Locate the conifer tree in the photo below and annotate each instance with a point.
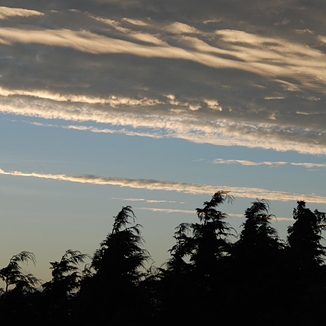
(14, 275)
(194, 280)
(259, 242)
(20, 287)
(65, 274)
(304, 237)
(111, 285)
(203, 243)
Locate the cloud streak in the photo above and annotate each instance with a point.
(6, 12)
(146, 200)
(191, 188)
(271, 164)
(167, 210)
(264, 56)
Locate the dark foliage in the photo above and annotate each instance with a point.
(209, 279)
(304, 237)
(110, 290)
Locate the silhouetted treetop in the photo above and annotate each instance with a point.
(204, 243)
(13, 274)
(257, 230)
(304, 236)
(121, 253)
(65, 273)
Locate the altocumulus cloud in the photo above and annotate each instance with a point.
(252, 75)
(192, 188)
(192, 128)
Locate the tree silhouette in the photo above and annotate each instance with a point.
(305, 255)
(257, 279)
(13, 274)
(257, 256)
(65, 274)
(204, 243)
(117, 265)
(259, 242)
(59, 292)
(120, 254)
(20, 287)
(304, 237)
(194, 272)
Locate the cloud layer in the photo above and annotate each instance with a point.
(250, 76)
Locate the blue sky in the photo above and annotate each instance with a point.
(157, 105)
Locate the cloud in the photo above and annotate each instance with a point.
(191, 188)
(146, 200)
(130, 199)
(6, 12)
(246, 162)
(112, 101)
(274, 98)
(236, 86)
(191, 127)
(180, 28)
(310, 165)
(272, 164)
(167, 210)
(265, 56)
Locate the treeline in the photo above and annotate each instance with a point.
(212, 276)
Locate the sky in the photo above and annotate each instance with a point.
(156, 105)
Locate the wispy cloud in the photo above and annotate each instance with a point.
(146, 200)
(269, 56)
(271, 164)
(167, 210)
(191, 188)
(6, 12)
(247, 162)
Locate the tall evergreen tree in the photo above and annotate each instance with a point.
(304, 237)
(257, 267)
(195, 279)
(120, 255)
(203, 244)
(111, 291)
(259, 242)
(305, 265)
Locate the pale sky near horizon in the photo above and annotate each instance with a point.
(156, 105)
